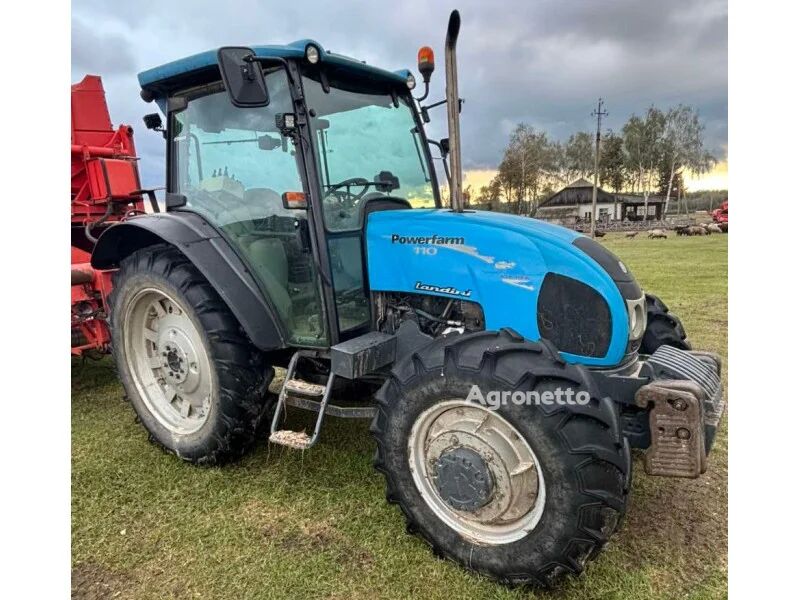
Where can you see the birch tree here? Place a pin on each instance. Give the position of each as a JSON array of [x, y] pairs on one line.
[[579, 155], [530, 161], [682, 142], [642, 139]]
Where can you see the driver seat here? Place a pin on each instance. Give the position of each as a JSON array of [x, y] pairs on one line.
[[268, 254], [376, 202]]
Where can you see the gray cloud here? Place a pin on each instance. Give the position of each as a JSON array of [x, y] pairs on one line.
[[544, 62], [100, 51]]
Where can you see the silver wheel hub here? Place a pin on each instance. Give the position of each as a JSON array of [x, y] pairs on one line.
[[167, 361], [476, 472]]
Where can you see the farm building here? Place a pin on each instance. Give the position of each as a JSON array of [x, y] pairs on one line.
[[573, 204]]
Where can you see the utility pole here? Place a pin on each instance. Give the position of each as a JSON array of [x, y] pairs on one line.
[[599, 113], [523, 201]]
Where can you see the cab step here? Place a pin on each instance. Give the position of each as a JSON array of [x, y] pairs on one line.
[[299, 387], [299, 440], [294, 388]]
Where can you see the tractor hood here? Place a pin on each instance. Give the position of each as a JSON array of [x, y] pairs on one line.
[[538, 279]]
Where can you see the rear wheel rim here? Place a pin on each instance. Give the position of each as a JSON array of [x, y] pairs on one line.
[[464, 429], [167, 360]]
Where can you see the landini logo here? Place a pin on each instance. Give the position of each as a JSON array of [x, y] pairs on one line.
[[426, 287]]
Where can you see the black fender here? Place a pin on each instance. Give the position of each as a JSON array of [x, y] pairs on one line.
[[202, 244]]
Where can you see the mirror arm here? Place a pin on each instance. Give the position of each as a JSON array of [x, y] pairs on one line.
[[443, 157], [278, 59], [425, 95]]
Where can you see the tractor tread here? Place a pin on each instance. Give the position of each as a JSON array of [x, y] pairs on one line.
[[663, 327], [594, 449], [242, 375]]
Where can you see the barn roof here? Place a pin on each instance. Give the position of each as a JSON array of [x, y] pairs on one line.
[[581, 183], [577, 192], [580, 192]]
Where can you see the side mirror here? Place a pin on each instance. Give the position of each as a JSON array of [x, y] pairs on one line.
[[242, 76]]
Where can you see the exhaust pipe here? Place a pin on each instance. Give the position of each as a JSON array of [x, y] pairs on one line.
[[453, 106]]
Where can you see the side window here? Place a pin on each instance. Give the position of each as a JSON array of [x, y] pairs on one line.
[[233, 165]]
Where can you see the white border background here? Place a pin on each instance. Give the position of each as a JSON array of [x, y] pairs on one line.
[[35, 398], [764, 305]]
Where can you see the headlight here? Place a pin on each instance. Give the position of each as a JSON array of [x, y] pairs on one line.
[[411, 82], [312, 54], [637, 318]]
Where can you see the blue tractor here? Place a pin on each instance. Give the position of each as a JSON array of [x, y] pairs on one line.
[[508, 365]]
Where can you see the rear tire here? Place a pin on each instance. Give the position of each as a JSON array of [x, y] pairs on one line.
[[196, 382], [663, 328], [581, 460]]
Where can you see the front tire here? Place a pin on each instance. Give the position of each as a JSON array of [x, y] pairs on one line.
[[571, 461], [663, 328], [197, 384]]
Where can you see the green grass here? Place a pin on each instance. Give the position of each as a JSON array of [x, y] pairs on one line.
[[283, 524]]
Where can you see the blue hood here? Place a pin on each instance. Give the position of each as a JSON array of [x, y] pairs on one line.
[[496, 260]]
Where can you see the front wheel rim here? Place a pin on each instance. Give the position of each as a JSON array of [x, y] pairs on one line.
[[461, 429], [167, 360]]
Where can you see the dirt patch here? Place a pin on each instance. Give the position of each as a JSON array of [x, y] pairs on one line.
[[291, 533], [91, 581], [312, 537], [678, 524], [305, 537]]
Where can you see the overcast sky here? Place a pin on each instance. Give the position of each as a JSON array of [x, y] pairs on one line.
[[543, 62]]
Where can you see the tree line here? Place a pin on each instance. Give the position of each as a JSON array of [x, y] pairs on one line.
[[649, 154]]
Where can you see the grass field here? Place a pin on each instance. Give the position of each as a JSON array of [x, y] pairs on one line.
[[281, 524]]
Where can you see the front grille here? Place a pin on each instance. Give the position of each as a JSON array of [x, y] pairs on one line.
[[574, 316]]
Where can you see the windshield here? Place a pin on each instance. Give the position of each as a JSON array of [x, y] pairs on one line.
[[366, 147]]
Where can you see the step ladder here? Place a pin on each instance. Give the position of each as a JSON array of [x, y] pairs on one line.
[[298, 388]]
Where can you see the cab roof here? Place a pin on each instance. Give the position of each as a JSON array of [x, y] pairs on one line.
[[162, 78]]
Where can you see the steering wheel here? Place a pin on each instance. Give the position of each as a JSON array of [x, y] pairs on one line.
[[335, 188]]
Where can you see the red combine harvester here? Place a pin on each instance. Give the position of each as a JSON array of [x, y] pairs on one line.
[[720, 215], [105, 190]]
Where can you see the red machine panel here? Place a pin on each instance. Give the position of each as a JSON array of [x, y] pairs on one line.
[[105, 189]]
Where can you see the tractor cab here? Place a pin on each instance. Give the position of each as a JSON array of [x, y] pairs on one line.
[[287, 163]]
